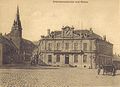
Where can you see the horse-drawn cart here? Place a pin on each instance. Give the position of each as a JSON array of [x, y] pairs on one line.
[[109, 69]]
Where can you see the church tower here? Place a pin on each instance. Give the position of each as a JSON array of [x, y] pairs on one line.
[[16, 31]]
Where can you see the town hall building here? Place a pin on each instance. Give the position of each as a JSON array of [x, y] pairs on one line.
[[74, 47]]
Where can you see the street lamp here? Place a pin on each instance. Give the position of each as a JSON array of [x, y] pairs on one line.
[[81, 53], [91, 61], [92, 58]]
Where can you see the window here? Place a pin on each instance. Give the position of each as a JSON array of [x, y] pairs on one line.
[[66, 46], [49, 58], [85, 46], [90, 45], [75, 46], [49, 46], [84, 58], [58, 46], [57, 58], [75, 58]]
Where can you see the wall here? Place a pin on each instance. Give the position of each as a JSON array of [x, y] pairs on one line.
[[104, 52], [1, 53]]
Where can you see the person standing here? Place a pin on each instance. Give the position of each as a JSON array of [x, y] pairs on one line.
[[114, 70], [99, 69]]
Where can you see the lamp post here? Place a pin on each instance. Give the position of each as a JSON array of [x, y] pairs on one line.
[[91, 61], [81, 53], [92, 58]]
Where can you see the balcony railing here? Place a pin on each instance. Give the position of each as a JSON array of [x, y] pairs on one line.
[[69, 51]]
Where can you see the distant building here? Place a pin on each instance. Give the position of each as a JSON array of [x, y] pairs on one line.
[[13, 48], [116, 61], [74, 47]]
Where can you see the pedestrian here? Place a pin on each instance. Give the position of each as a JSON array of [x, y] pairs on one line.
[[114, 70], [99, 69]]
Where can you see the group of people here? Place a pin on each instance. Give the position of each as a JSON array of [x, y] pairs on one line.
[[107, 69]]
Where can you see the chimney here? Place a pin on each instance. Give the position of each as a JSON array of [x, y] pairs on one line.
[[91, 31], [63, 27], [5, 34], [104, 37], [48, 31], [72, 27]]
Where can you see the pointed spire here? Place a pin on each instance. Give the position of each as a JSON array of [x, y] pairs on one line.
[[17, 22], [17, 15], [17, 10]]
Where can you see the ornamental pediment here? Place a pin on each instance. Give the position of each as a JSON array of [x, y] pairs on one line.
[[67, 31], [70, 32]]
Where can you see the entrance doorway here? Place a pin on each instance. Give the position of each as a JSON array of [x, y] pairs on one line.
[[66, 59]]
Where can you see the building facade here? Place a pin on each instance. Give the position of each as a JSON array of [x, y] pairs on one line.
[[116, 61], [14, 49], [74, 47]]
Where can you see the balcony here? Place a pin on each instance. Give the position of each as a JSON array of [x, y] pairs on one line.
[[69, 51]]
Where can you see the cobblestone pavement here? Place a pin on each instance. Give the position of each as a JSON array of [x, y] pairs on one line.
[[62, 77]]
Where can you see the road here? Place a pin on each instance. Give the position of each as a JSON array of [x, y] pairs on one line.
[[61, 77]]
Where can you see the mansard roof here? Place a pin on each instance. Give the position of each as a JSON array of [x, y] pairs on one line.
[[91, 34]]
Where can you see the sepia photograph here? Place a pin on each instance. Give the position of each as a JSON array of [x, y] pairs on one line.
[[59, 43]]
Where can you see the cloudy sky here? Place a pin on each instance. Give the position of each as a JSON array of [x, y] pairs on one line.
[[39, 15]]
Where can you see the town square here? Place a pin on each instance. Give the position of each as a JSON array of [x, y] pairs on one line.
[[59, 43], [57, 77]]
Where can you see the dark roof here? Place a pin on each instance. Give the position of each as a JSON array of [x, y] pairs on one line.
[[81, 31], [25, 41], [57, 32], [27, 45], [7, 42], [90, 33]]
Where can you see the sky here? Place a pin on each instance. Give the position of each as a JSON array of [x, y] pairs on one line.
[[39, 15]]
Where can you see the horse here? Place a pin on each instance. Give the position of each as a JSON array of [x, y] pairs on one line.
[[109, 69]]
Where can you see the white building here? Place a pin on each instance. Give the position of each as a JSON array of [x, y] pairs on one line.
[[82, 48]]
